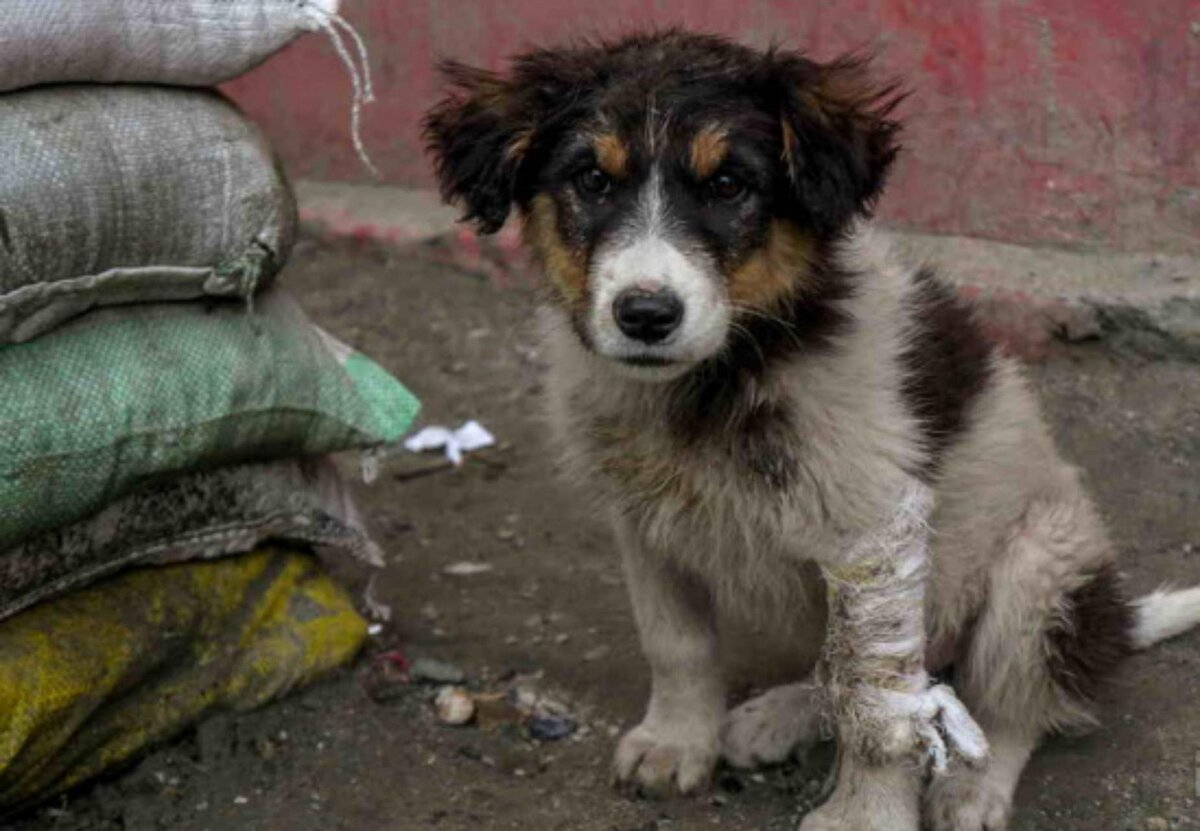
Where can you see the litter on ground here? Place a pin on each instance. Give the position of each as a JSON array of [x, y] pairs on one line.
[[454, 443]]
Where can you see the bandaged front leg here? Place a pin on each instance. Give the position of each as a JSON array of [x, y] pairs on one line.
[[886, 709]]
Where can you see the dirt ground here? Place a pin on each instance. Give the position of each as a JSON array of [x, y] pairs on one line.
[[335, 758]]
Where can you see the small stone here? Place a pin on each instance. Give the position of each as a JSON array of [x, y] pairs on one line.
[[467, 569], [454, 706], [550, 728], [1157, 824], [596, 653], [562, 638], [431, 671], [525, 697], [550, 707]]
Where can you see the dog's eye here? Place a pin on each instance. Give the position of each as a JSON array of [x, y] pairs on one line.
[[726, 187], [594, 182]]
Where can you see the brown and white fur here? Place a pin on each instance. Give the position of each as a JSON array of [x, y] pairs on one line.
[[809, 380]]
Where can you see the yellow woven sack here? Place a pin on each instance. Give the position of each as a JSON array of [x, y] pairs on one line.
[[89, 680]]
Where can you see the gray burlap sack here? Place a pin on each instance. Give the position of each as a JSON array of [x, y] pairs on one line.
[[197, 516], [128, 193], [185, 42]]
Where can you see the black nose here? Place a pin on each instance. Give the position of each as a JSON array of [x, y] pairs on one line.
[[648, 316]]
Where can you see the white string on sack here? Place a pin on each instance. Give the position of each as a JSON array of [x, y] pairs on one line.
[[360, 77]]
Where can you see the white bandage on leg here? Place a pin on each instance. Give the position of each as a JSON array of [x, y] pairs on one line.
[[875, 655]]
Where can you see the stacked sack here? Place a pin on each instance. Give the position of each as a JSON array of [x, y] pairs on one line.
[[166, 411]]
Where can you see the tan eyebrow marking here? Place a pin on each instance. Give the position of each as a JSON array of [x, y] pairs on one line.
[[709, 148], [612, 155]]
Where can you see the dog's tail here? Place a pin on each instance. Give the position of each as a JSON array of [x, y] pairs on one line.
[[1164, 614]]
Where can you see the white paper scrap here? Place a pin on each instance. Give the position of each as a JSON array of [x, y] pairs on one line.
[[454, 443]]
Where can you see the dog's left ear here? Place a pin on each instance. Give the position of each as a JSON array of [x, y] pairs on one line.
[[839, 139], [479, 135]]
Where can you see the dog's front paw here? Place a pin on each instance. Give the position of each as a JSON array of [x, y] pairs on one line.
[[966, 801], [662, 760], [848, 817], [766, 730], [869, 799]]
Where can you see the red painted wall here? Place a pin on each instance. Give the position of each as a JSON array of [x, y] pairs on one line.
[[1070, 122]]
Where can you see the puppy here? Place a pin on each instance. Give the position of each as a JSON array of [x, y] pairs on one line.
[[789, 427]]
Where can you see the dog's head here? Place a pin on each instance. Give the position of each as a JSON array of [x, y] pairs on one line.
[[677, 188]]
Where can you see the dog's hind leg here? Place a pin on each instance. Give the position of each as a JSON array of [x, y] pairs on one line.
[[1055, 625]]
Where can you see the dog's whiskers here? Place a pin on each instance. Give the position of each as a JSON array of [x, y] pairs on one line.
[[786, 327]]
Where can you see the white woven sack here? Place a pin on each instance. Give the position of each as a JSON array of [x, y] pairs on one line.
[[129, 193], [178, 42]]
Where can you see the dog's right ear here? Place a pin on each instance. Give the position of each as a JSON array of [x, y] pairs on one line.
[[479, 135], [839, 134]]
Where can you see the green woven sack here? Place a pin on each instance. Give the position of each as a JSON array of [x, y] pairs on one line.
[[124, 395]]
